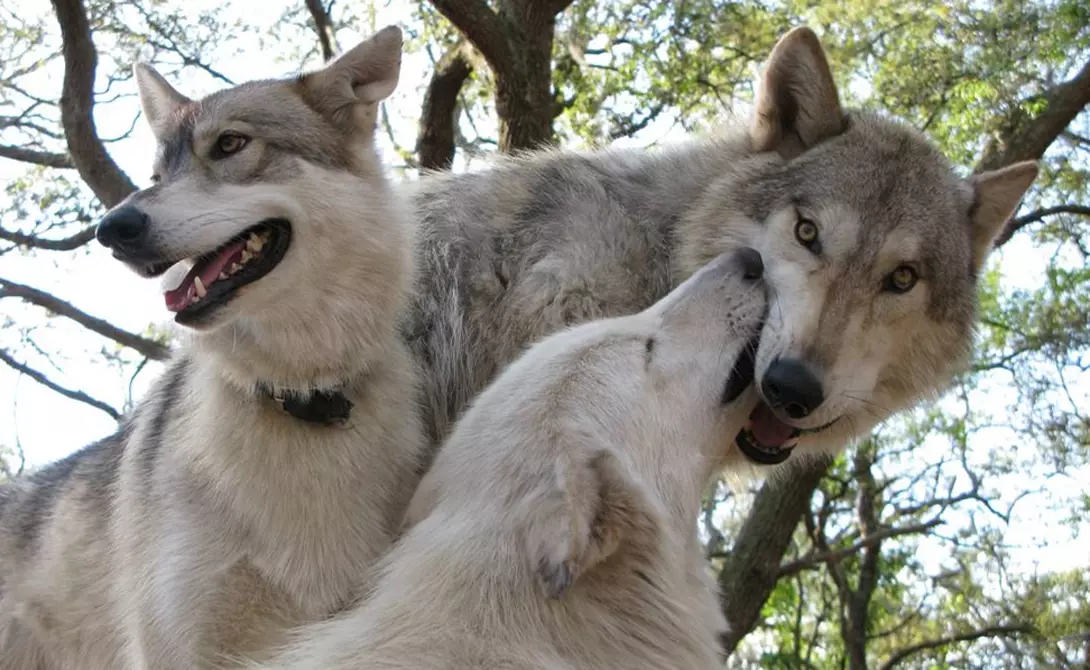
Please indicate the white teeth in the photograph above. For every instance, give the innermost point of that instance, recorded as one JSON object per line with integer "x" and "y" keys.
{"x": 255, "y": 243}
{"x": 223, "y": 275}
{"x": 246, "y": 256}
{"x": 195, "y": 300}
{"x": 201, "y": 292}
{"x": 235, "y": 267}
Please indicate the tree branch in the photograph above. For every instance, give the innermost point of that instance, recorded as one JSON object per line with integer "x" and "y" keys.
{"x": 834, "y": 556}
{"x": 109, "y": 183}
{"x": 46, "y": 158}
{"x": 64, "y": 244}
{"x": 323, "y": 25}
{"x": 990, "y": 631}
{"x": 1037, "y": 215}
{"x": 1028, "y": 138}
{"x": 483, "y": 28}
{"x": 146, "y": 347}
{"x": 750, "y": 571}
{"x": 46, "y": 382}
{"x": 435, "y": 143}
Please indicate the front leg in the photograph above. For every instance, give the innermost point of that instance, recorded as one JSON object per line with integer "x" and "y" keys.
{"x": 169, "y": 597}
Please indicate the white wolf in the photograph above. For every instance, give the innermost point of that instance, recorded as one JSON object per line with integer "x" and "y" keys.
{"x": 556, "y": 528}
{"x": 272, "y": 462}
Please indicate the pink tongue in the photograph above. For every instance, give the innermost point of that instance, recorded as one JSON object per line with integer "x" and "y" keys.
{"x": 181, "y": 297}
{"x": 769, "y": 431}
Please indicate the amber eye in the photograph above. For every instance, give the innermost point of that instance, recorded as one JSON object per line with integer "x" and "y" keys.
{"x": 902, "y": 279}
{"x": 229, "y": 143}
{"x": 806, "y": 232}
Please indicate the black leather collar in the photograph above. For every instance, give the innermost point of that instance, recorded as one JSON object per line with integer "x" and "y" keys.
{"x": 328, "y": 408}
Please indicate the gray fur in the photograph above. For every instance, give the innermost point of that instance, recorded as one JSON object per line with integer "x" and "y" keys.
{"x": 509, "y": 254}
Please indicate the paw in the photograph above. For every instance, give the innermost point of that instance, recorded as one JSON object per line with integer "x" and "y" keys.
{"x": 583, "y": 522}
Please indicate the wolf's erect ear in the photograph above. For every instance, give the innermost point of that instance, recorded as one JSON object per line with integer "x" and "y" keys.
{"x": 357, "y": 80}
{"x": 158, "y": 99}
{"x": 996, "y": 195}
{"x": 589, "y": 509}
{"x": 797, "y": 102}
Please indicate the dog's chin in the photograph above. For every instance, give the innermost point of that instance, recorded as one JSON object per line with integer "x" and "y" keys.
{"x": 201, "y": 300}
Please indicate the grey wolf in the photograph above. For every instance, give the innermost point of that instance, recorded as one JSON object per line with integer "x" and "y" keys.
{"x": 555, "y": 528}
{"x": 272, "y": 462}
{"x": 874, "y": 247}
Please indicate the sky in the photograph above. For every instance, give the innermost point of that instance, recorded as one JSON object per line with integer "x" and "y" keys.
{"x": 50, "y": 427}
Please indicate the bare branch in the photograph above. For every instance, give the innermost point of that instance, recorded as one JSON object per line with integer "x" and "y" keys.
{"x": 435, "y": 144}
{"x": 323, "y": 26}
{"x": 483, "y": 28}
{"x": 89, "y": 156}
{"x": 750, "y": 571}
{"x": 990, "y": 631}
{"x": 1038, "y": 215}
{"x": 1028, "y": 138}
{"x": 64, "y": 244}
{"x": 46, "y": 158}
{"x": 146, "y": 347}
{"x": 825, "y": 557}
{"x": 67, "y": 392}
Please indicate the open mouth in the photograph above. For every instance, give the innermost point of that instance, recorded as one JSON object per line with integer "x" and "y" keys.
{"x": 216, "y": 276}
{"x": 768, "y": 440}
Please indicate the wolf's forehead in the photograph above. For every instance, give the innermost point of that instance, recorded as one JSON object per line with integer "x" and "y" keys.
{"x": 271, "y": 110}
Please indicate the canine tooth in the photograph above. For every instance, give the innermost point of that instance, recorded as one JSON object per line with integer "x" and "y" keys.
{"x": 201, "y": 292}
{"x": 235, "y": 267}
{"x": 246, "y": 255}
{"x": 255, "y": 243}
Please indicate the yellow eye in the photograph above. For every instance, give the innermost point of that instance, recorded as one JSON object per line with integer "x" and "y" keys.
{"x": 806, "y": 232}
{"x": 230, "y": 143}
{"x": 902, "y": 279}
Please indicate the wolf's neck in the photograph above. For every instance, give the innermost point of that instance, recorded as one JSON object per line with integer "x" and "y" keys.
{"x": 296, "y": 360}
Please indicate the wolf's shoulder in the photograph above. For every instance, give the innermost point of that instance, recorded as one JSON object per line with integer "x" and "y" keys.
{"x": 29, "y": 501}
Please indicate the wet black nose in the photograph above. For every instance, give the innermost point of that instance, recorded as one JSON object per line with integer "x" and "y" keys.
{"x": 124, "y": 228}
{"x": 790, "y": 385}
{"x": 750, "y": 260}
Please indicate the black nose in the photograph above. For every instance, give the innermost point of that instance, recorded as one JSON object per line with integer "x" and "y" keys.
{"x": 790, "y": 385}
{"x": 125, "y": 227}
{"x": 750, "y": 260}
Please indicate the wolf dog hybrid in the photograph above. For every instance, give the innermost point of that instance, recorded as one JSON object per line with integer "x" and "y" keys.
{"x": 873, "y": 244}
{"x": 271, "y": 463}
{"x": 556, "y": 529}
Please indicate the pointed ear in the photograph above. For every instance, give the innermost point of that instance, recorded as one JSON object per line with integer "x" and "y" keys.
{"x": 590, "y": 508}
{"x": 996, "y": 196}
{"x": 359, "y": 78}
{"x": 158, "y": 99}
{"x": 797, "y": 102}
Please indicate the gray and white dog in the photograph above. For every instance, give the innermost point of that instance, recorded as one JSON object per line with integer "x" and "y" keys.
{"x": 873, "y": 246}
{"x": 270, "y": 465}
